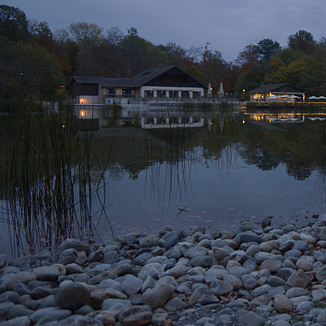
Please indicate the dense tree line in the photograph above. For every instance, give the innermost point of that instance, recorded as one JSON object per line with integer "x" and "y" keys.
{"x": 38, "y": 64}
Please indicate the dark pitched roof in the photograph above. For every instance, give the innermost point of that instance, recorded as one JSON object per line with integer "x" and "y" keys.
{"x": 137, "y": 81}
{"x": 272, "y": 88}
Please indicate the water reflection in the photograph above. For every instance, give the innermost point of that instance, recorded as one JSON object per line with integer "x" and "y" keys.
{"x": 191, "y": 167}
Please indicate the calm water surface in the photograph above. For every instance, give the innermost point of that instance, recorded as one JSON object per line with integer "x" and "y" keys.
{"x": 233, "y": 167}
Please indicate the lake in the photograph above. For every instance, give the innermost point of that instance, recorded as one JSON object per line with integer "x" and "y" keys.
{"x": 186, "y": 168}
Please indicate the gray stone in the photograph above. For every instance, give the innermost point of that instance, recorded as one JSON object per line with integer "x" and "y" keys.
{"x": 285, "y": 273}
{"x": 234, "y": 281}
{"x": 175, "y": 304}
{"x": 75, "y": 244}
{"x": 131, "y": 284}
{"x": 262, "y": 256}
{"x": 220, "y": 253}
{"x": 239, "y": 256}
{"x": 203, "y": 261}
{"x": 296, "y": 292}
{"x": 10, "y": 296}
{"x": 249, "y": 282}
{"x": 321, "y": 318}
{"x": 21, "y": 289}
{"x": 74, "y": 268}
{"x": 21, "y": 321}
{"x": 46, "y": 273}
{"x": 318, "y": 295}
{"x": 67, "y": 256}
{"x": 300, "y": 245}
{"x": 41, "y": 292}
{"x": 298, "y": 279}
{"x": 250, "y": 318}
{"x": 4, "y": 309}
{"x": 116, "y": 307}
{"x": 321, "y": 274}
{"x": 275, "y": 281}
{"x": 321, "y": 232}
{"x": 110, "y": 257}
{"x": 238, "y": 271}
{"x": 177, "y": 271}
{"x": 53, "y": 312}
{"x": 305, "y": 263}
{"x": 272, "y": 265}
{"x": 171, "y": 241}
{"x": 72, "y": 296}
{"x": 220, "y": 287}
{"x": 99, "y": 295}
{"x": 143, "y": 258}
{"x": 20, "y": 277}
{"x": 260, "y": 290}
{"x": 108, "y": 283}
{"x": 149, "y": 241}
{"x": 248, "y": 237}
{"x": 282, "y": 304}
{"x": 136, "y": 315}
{"x": 195, "y": 251}
{"x": 153, "y": 269}
{"x": 159, "y": 295}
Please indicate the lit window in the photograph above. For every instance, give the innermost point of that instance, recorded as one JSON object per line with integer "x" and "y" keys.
{"x": 82, "y": 101}
{"x": 82, "y": 113}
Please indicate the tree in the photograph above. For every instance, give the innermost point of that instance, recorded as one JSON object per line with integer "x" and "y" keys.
{"x": 113, "y": 36}
{"x": 267, "y": 49}
{"x": 85, "y": 35}
{"x": 302, "y": 41}
{"x": 249, "y": 71}
{"x": 13, "y": 23}
{"x": 28, "y": 72}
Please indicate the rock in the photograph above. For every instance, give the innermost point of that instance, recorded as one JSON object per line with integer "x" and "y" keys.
{"x": 67, "y": 256}
{"x": 298, "y": 279}
{"x": 250, "y": 318}
{"x": 282, "y": 304}
{"x": 72, "y": 296}
{"x": 46, "y": 273}
{"x": 175, "y": 304}
{"x": 136, "y": 315}
{"x": 203, "y": 261}
{"x": 272, "y": 265}
{"x": 131, "y": 284}
{"x": 73, "y": 244}
{"x": 99, "y": 295}
{"x": 149, "y": 241}
{"x": 116, "y": 307}
{"x": 171, "y": 241}
{"x": 321, "y": 274}
{"x": 248, "y": 237}
{"x": 220, "y": 287}
{"x": 159, "y": 295}
{"x": 249, "y": 282}
{"x": 53, "y": 312}
{"x": 20, "y": 277}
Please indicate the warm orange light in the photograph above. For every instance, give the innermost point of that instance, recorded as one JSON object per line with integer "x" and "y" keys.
{"x": 82, "y": 113}
{"x": 82, "y": 101}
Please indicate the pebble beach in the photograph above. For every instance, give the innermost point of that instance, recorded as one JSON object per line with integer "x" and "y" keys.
{"x": 256, "y": 274}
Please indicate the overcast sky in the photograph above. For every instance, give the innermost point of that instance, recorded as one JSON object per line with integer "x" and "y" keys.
{"x": 227, "y": 25}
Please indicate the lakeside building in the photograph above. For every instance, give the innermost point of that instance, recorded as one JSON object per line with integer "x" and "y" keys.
{"x": 277, "y": 92}
{"x": 168, "y": 82}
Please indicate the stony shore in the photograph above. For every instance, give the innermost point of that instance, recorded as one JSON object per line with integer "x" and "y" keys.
{"x": 255, "y": 275}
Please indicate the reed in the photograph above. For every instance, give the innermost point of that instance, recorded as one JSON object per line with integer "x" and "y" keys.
{"x": 49, "y": 187}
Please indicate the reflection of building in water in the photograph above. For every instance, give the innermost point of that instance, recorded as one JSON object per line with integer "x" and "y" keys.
{"x": 171, "y": 122}
{"x": 284, "y": 117}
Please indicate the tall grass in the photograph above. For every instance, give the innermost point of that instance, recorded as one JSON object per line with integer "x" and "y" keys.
{"x": 48, "y": 182}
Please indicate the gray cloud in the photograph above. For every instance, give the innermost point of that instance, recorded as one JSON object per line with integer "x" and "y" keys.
{"x": 228, "y": 25}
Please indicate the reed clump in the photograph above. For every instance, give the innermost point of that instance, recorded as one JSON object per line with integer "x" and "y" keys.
{"x": 49, "y": 188}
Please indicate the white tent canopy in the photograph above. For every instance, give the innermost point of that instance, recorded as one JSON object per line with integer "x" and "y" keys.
{"x": 312, "y": 98}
